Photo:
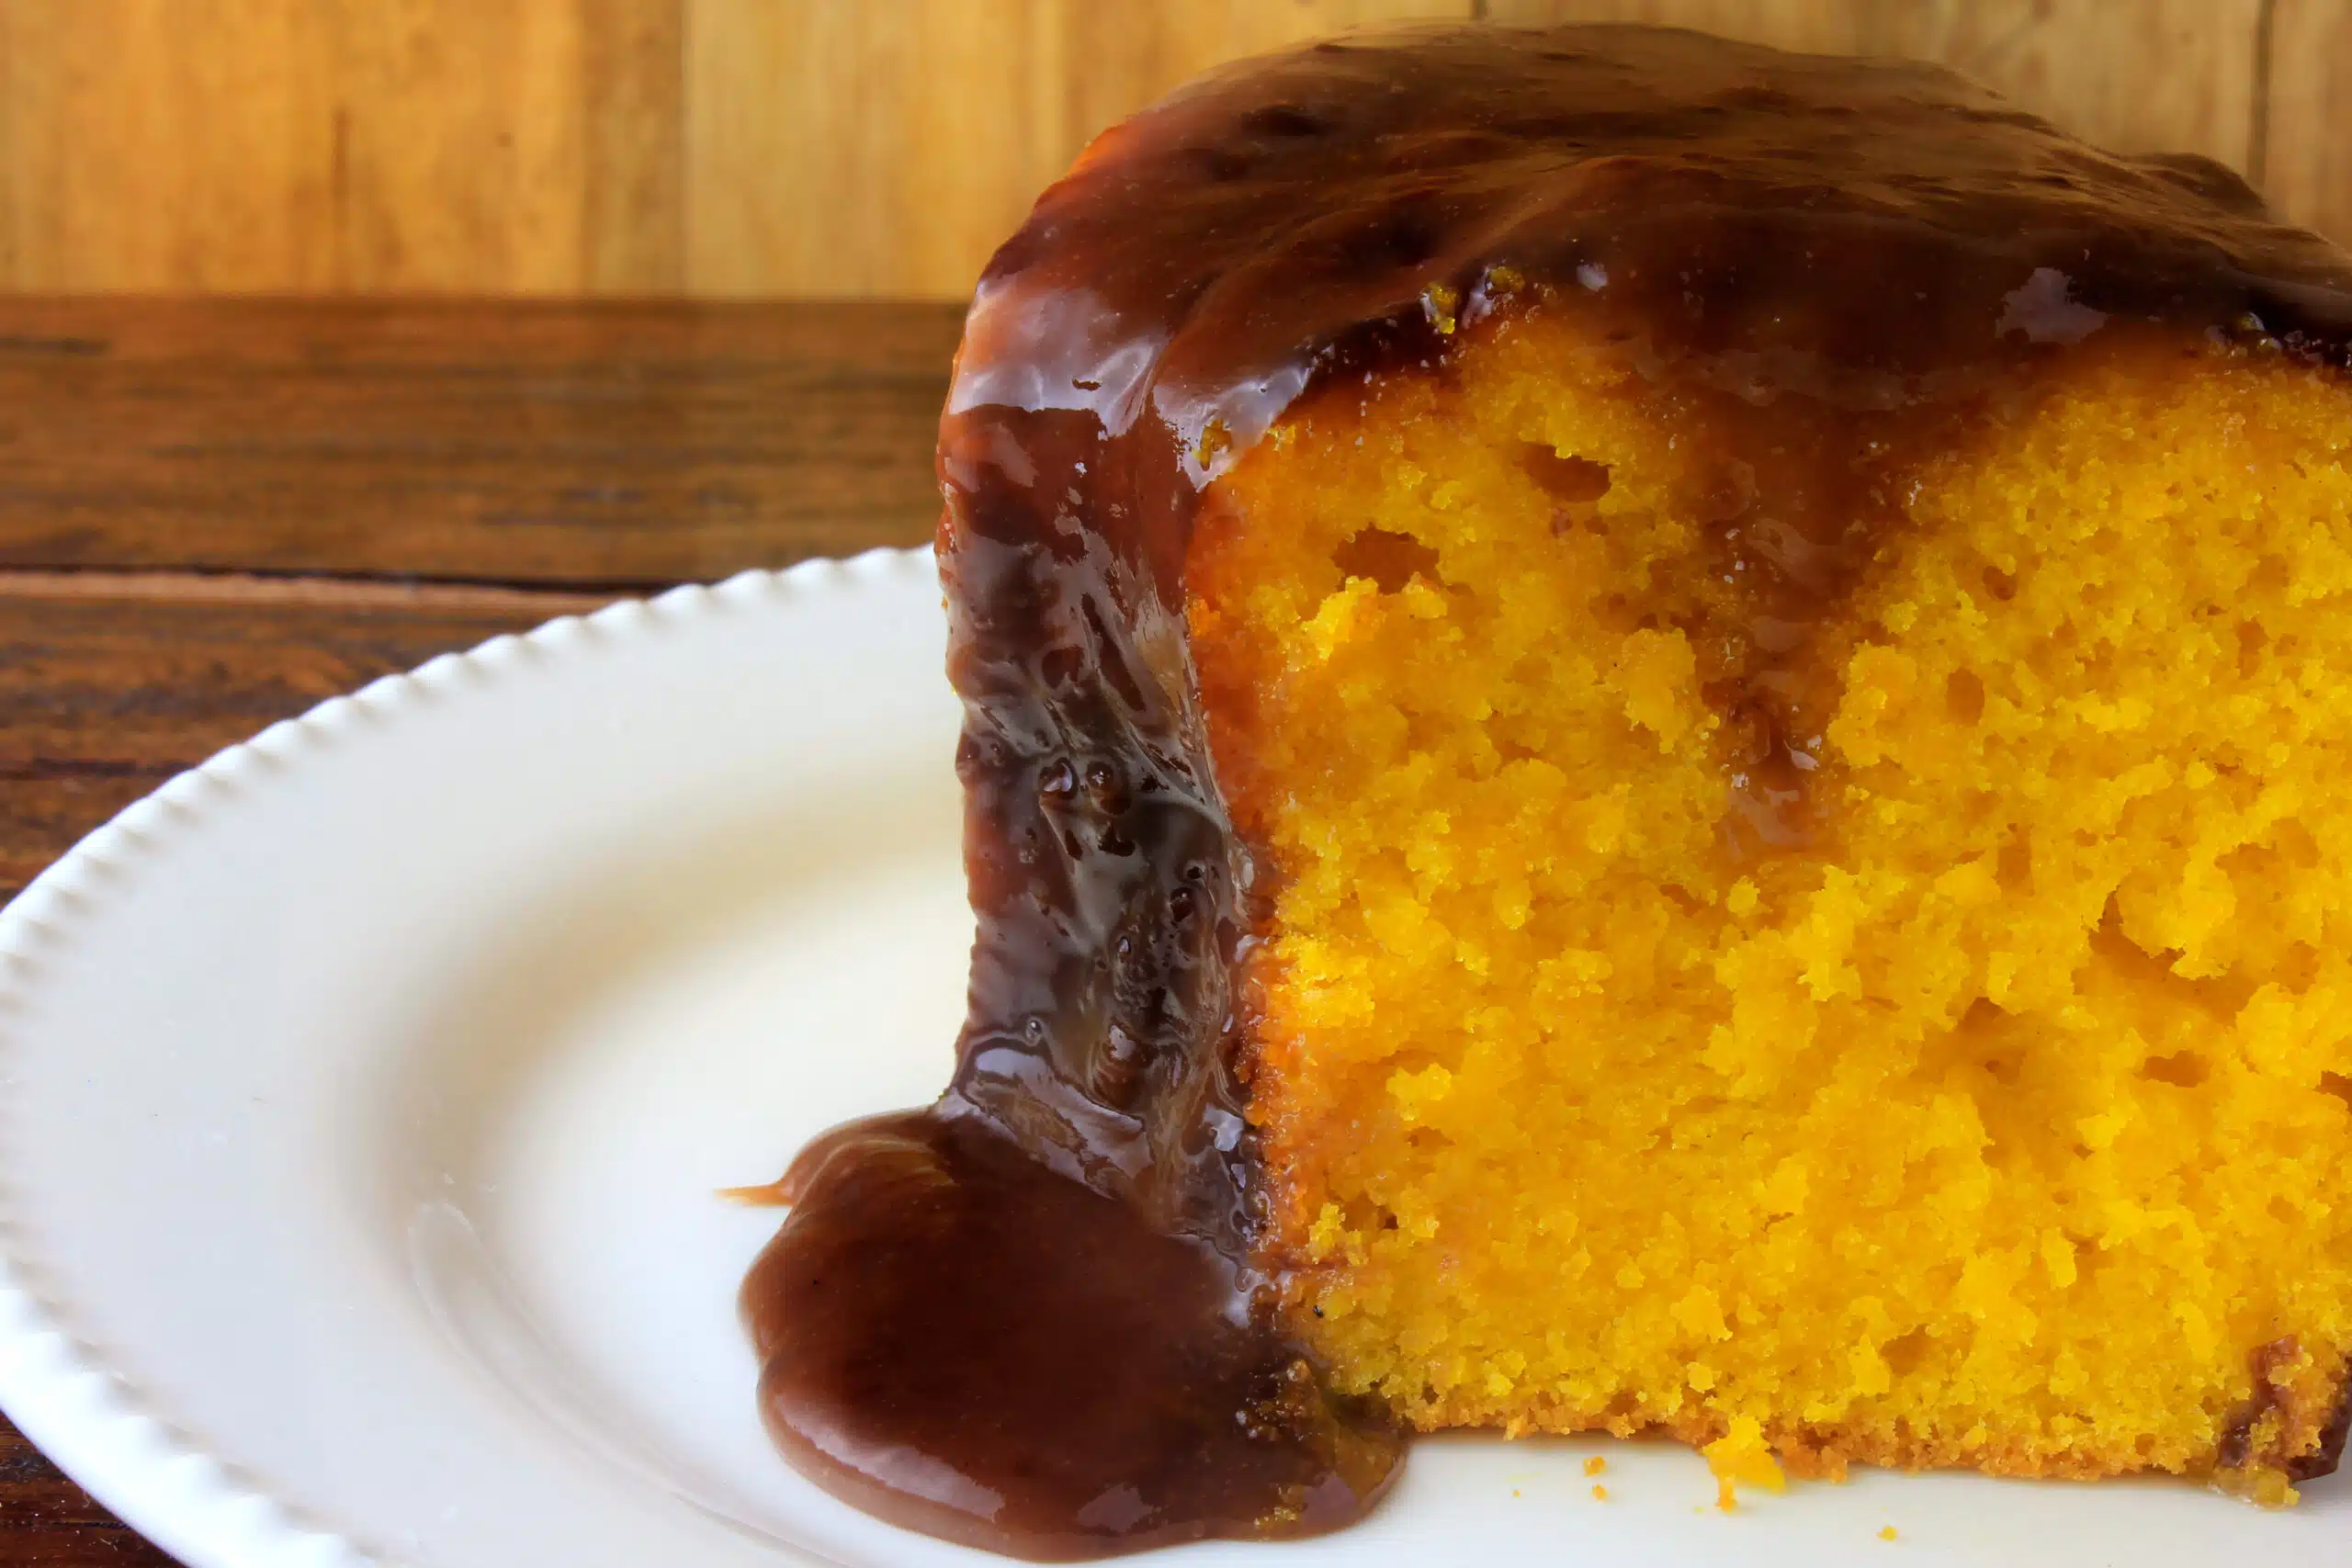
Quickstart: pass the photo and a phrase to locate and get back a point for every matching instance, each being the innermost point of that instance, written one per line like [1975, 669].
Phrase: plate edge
[88, 1417]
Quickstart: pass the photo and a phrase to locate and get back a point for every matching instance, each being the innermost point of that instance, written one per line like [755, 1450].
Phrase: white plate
[363, 1094]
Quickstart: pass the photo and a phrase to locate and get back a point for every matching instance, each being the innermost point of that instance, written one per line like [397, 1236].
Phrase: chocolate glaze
[959, 1338]
[2271, 1394]
[1037, 1316]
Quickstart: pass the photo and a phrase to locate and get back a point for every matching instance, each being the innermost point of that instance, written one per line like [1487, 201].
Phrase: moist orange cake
[1653, 742]
[1904, 1024]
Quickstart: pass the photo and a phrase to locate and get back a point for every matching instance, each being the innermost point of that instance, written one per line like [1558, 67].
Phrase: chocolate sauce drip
[1034, 1318]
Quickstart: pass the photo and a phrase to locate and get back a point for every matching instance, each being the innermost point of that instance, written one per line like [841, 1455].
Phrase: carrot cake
[1650, 728]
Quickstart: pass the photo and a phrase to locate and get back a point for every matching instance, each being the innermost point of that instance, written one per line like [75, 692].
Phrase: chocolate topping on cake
[1031, 1317]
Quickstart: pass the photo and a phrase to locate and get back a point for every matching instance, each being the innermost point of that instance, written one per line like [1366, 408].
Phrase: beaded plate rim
[90, 1418]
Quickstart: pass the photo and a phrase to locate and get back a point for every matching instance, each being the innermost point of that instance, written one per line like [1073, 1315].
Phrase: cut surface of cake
[1653, 738]
[1901, 1006]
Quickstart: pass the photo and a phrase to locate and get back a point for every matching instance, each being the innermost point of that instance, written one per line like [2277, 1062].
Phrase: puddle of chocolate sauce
[960, 1339]
[1038, 1317]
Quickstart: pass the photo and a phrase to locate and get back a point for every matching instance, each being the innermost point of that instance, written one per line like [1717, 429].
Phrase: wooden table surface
[215, 515]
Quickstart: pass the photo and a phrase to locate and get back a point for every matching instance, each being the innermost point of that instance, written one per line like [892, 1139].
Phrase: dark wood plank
[46, 1519]
[584, 444]
[104, 695]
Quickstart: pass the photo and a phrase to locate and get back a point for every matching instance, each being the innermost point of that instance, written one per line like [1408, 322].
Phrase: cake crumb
[1600, 1493]
[1740, 1457]
[1595, 1465]
[1453, 761]
[1887, 1533]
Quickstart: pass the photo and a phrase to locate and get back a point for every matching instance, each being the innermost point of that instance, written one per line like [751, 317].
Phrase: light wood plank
[395, 146]
[844, 147]
[633, 77]
[473, 143]
[2135, 75]
[460, 140]
[844, 150]
[851, 150]
[2308, 149]
[1817, 27]
[1124, 56]
[139, 158]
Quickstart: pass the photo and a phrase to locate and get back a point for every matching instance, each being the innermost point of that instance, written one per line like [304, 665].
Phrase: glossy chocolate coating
[1014, 1318]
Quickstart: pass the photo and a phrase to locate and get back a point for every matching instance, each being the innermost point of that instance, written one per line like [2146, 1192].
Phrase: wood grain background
[841, 147]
